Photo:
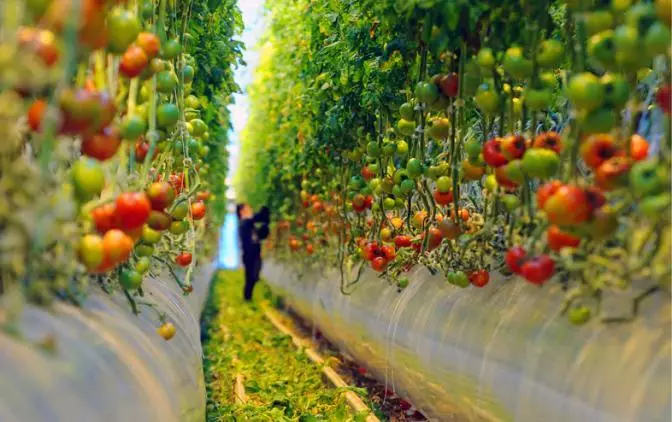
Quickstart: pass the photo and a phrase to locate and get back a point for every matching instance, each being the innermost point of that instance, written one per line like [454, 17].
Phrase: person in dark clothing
[252, 230]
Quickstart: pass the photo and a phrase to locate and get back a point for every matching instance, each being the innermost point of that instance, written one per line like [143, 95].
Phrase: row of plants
[113, 160]
[527, 138]
[281, 383]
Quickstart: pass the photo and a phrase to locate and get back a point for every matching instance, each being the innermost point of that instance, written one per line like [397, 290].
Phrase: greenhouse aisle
[279, 382]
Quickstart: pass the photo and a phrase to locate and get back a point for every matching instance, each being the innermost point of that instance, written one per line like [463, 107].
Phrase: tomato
[487, 99]
[142, 265]
[123, 27]
[515, 258]
[188, 74]
[444, 184]
[183, 259]
[657, 39]
[166, 82]
[550, 53]
[177, 182]
[415, 168]
[616, 90]
[36, 113]
[402, 241]
[511, 202]
[101, 146]
[471, 171]
[202, 195]
[449, 230]
[401, 148]
[117, 246]
[144, 250]
[310, 249]
[601, 47]
[388, 252]
[88, 178]
[171, 49]
[648, 177]
[578, 315]
[141, 150]
[149, 43]
[132, 209]
[90, 250]
[449, 84]
[133, 62]
[613, 173]
[585, 91]
[150, 236]
[546, 190]
[443, 198]
[657, 206]
[389, 203]
[104, 217]
[435, 238]
[548, 140]
[407, 112]
[541, 163]
[538, 270]
[166, 331]
[664, 98]
[379, 264]
[439, 128]
[479, 278]
[402, 284]
[510, 175]
[568, 206]
[597, 149]
[133, 127]
[511, 147]
[516, 64]
[40, 41]
[601, 120]
[458, 278]
[130, 279]
[159, 220]
[492, 153]
[385, 234]
[406, 127]
[639, 148]
[538, 99]
[485, 59]
[426, 92]
[558, 239]
[161, 195]
[197, 210]
[167, 115]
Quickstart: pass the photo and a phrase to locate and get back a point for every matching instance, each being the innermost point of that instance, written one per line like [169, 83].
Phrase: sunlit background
[229, 255]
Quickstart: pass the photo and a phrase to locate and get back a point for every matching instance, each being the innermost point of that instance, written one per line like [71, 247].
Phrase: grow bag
[108, 364]
[500, 353]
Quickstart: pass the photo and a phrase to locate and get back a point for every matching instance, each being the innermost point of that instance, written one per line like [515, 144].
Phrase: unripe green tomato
[179, 227]
[616, 89]
[400, 203]
[516, 64]
[407, 186]
[444, 184]
[389, 148]
[585, 91]
[374, 183]
[538, 99]
[486, 59]
[374, 168]
[180, 211]
[656, 206]
[372, 149]
[402, 283]
[150, 236]
[130, 279]
[491, 183]
[406, 127]
[426, 92]
[541, 163]
[487, 99]
[473, 148]
[143, 264]
[550, 53]
[144, 250]
[400, 175]
[601, 120]
[415, 168]
[578, 315]
[402, 148]
[407, 111]
[511, 202]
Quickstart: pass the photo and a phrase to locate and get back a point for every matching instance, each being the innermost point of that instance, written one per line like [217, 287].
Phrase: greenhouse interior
[335, 210]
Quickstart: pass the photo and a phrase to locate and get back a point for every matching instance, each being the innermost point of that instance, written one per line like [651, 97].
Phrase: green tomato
[444, 184]
[389, 148]
[641, 16]
[407, 111]
[199, 127]
[400, 203]
[142, 265]
[133, 127]
[538, 99]
[426, 92]
[513, 170]
[192, 102]
[585, 91]
[598, 20]
[166, 82]
[167, 115]
[657, 39]
[374, 168]
[473, 148]
[130, 279]
[415, 168]
[389, 203]
[403, 283]
[387, 185]
[439, 128]
[656, 206]
[458, 278]
[629, 48]
[400, 175]
[402, 148]
[150, 236]
[541, 163]
[486, 59]
[548, 80]
[171, 49]
[407, 186]
[491, 183]
[616, 90]
[374, 184]
[550, 53]
[487, 99]
[123, 28]
[179, 227]
[180, 211]
[88, 178]
[511, 202]
[406, 127]
[188, 73]
[648, 178]
[515, 63]
[602, 48]
[356, 182]
[396, 191]
[578, 315]
[598, 121]
[144, 250]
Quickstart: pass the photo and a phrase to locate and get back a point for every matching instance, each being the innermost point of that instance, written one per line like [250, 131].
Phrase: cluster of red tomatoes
[379, 256]
[535, 269]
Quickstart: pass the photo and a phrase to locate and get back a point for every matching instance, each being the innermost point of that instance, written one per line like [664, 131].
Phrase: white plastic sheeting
[108, 365]
[500, 353]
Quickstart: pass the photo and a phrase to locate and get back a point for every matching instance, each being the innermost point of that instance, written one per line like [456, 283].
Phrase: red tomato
[197, 210]
[545, 192]
[132, 209]
[492, 153]
[548, 140]
[161, 195]
[177, 181]
[568, 206]
[558, 239]
[183, 259]
[538, 270]
[40, 41]
[613, 173]
[449, 84]
[36, 113]
[149, 43]
[515, 258]
[512, 147]
[371, 250]
[133, 62]
[388, 252]
[599, 148]
[379, 264]
[479, 278]
[203, 195]
[117, 246]
[639, 148]
[310, 249]
[104, 218]
[435, 238]
[367, 174]
[141, 150]
[402, 241]
[103, 145]
[443, 198]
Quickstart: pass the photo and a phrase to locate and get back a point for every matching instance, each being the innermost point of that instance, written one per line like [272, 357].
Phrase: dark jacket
[252, 231]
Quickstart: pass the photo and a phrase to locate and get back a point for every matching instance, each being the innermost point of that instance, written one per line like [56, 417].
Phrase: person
[252, 230]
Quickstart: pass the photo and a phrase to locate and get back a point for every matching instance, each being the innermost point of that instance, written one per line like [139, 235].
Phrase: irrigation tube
[107, 364]
[500, 353]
